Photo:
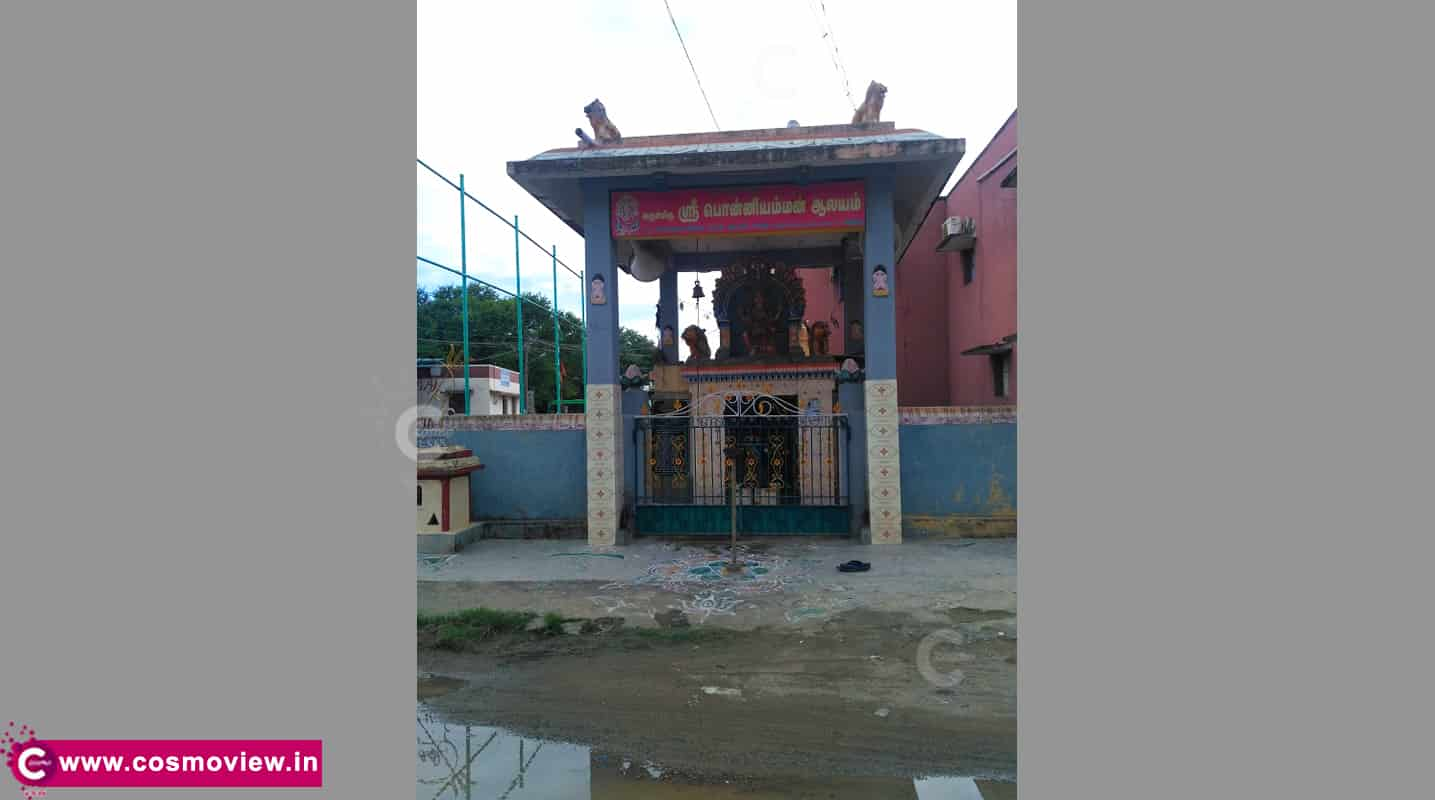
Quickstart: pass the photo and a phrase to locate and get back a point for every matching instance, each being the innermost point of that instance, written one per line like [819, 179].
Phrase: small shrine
[765, 344]
[444, 523]
[785, 405]
[759, 310]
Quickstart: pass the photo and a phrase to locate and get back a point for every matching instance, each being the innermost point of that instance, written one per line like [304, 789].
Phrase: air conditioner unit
[959, 226]
[958, 233]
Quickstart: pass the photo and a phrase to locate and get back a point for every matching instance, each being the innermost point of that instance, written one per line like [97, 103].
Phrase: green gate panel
[715, 520]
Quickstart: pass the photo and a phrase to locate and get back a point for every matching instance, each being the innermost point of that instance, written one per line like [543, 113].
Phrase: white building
[494, 389]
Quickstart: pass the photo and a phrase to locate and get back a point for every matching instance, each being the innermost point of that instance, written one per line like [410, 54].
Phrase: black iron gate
[791, 468]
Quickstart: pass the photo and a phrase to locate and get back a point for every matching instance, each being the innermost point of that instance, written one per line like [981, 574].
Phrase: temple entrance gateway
[762, 405]
[798, 359]
[790, 468]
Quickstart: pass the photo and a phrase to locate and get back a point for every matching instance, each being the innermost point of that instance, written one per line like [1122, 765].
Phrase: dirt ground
[837, 696]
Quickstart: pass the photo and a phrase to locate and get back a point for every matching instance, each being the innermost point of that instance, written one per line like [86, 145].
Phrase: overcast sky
[499, 82]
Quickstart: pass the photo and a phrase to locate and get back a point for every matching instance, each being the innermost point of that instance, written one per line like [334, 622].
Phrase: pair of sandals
[854, 566]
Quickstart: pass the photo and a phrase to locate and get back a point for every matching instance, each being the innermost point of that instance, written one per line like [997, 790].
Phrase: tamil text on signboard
[744, 210]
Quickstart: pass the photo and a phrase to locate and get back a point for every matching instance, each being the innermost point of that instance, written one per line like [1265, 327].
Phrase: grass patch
[552, 624]
[682, 635]
[452, 631]
[515, 632]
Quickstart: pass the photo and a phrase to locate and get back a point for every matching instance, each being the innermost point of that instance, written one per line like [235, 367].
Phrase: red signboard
[739, 211]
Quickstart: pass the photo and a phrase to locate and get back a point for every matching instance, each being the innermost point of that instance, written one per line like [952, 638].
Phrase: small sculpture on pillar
[697, 341]
[879, 281]
[818, 337]
[633, 378]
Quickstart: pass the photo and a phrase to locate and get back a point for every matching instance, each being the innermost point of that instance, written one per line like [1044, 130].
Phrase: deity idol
[761, 328]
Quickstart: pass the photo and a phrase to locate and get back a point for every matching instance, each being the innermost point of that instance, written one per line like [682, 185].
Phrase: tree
[493, 338]
[636, 349]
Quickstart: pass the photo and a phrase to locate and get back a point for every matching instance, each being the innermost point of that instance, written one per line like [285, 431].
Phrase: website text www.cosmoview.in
[157, 763]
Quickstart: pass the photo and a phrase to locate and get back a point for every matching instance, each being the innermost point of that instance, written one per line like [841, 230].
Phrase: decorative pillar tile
[604, 464]
[884, 463]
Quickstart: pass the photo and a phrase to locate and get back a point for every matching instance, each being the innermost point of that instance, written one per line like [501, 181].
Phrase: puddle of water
[477, 762]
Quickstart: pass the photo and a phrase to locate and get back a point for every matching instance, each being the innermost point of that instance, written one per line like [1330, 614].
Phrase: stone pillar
[668, 311]
[604, 420]
[884, 476]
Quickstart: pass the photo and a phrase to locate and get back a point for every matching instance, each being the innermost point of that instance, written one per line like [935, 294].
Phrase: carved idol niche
[760, 325]
[760, 307]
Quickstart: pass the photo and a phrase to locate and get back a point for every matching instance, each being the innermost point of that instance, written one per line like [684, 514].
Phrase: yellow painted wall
[432, 505]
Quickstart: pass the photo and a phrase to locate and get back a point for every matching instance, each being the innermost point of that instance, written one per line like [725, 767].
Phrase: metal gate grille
[791, 468]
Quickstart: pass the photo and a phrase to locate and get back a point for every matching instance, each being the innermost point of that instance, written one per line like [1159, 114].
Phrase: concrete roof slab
[921, 163]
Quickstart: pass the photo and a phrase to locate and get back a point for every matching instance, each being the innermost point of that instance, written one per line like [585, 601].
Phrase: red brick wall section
[481, 371]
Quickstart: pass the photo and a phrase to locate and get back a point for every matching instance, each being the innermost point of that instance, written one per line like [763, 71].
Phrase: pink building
[956, 290]
[823, 301]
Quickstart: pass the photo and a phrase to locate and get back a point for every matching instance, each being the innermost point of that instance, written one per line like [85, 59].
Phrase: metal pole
[583, 318]
[557, 343]
[732, 558]
[518, 295]
[463, 263]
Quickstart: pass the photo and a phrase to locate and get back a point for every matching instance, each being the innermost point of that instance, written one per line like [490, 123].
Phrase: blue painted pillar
[631, 406]
[854, 477]
[668, 311]
[879, 246]
[879, 297]
[603, 420]
[600, 262]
